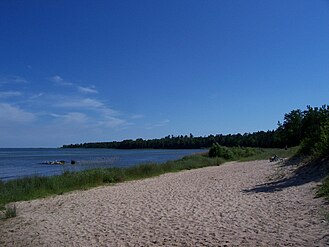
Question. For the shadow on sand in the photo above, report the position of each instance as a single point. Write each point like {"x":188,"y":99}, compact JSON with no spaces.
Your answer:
{"x":305,"y":172}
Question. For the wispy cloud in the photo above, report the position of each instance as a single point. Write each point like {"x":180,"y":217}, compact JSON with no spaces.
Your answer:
{"x":60,"y":81}
{"x":13,"y":114}
{"x":137,"y":116}
{"x":12,"y":79}
{"x":80,"y":103}
{"x":56,"y":78}
{"x":9,"y":94}
{"x":87,"y":89}
{"x":112,"y":122}
{"x":158,"y":124}
{"x":76,"y":113}
{"x":35,"y":96}
{"x":72,"y":117}
{"x":103,"y":115}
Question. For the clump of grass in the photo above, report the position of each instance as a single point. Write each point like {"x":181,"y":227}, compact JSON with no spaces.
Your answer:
{"x":324,"y":189}
{"x":10,"y":212}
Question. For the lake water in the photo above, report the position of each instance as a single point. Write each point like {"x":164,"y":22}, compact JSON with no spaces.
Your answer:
{"x":20,"y":162}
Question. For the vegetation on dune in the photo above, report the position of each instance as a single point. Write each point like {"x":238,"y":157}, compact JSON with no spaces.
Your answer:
{"x":247,"y":153}
{"x":309,"y":128}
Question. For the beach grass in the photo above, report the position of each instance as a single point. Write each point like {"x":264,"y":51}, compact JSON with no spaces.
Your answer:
{"x":38,"y":187}
{"x":10,"y":212}
{"x":266,"y":153}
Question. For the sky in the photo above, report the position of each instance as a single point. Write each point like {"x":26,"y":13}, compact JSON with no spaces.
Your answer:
{"x":90,"y":71}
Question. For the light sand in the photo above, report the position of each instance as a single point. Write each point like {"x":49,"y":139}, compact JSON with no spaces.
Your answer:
{"x":215,"y":206}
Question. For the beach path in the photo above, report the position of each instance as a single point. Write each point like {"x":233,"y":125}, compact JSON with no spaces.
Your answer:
{"x":235,"y":204}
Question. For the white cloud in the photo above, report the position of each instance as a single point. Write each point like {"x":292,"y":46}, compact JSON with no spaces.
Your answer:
{"x":158,"y":124}
{"x":80,"y":103}
{"x":12,"y":79}
{"x":87,"y":89}
{"x":106,"y":111}
{"x":60,"y":81}
{"x":35,"y":96}
{"x":137,"y":116}
{"x":13,"y":114}
{"x":76,"y":117}
{"x":102,"y":115}
{"x":56,"y":78}
{"x":112,"y":122}
{"x":9,"y":94}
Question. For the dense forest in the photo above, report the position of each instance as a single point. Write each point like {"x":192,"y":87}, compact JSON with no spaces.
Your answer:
{"x":306,"y":127}
{"x":258,"y":139}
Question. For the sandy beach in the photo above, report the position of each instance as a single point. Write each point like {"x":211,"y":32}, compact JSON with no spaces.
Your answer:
{"x":235,"y":204}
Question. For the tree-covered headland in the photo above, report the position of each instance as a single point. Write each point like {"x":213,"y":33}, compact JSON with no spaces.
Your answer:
{"x":308,"y":128}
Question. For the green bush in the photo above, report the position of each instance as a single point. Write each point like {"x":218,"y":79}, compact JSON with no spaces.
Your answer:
{"x":317,"y":145}
{"x":219,"y":151}
{"x":321,"y":148}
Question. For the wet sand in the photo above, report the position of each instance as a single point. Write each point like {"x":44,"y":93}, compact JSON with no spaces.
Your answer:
{"x":235,"y":204}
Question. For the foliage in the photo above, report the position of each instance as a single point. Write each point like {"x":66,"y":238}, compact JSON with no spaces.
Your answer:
{"x":247,"y":153}
{"x":257,"y":139}
{"x":219,"y":151}
{"x":324,"y":189}
{"x":308,"y":128}
{"x":321,"y":146}
{"x":315,"y":131}
{"x":291,"y":129}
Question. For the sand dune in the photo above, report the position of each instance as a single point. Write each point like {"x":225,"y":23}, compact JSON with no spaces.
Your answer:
{"x":229,"y":205}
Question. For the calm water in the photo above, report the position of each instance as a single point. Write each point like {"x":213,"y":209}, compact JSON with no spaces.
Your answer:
{"x":15,"y":163}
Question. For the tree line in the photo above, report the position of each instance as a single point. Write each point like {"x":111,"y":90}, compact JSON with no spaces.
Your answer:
{"x":308,"y":128}
{"x":257,"y":139}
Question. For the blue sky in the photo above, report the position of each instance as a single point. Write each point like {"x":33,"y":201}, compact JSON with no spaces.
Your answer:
{"x":85,"y":71}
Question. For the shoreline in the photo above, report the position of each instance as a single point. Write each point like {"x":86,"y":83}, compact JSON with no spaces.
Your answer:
{"x":210,"y":206}
{"x":35,"y":162}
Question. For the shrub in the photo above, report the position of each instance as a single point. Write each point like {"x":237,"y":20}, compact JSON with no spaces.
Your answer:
{"x":219,"y":151}
{"x":317,"y":145}
{"x":321,"y":148}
